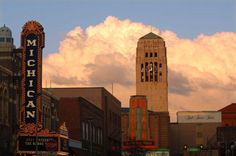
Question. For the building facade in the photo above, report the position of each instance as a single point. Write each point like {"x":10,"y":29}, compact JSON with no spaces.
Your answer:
{"x":158,"y":125}
{"x":50,"y":111}
{"x":9,"y":91}
{"x":85,"y":124}
{"x":229,"y":115}
{"x":226,"y":135}
{"x":110,"y":106}
{"x":195,"y":133}
{"x":151,"y":71}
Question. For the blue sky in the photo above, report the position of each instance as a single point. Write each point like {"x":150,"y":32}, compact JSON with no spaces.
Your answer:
{"x":187,"y":18}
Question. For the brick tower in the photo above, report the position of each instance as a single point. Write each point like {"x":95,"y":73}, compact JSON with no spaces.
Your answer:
{"x":151,"y":71}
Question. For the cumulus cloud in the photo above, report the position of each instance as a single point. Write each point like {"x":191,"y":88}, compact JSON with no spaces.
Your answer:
{"x":201,"y":70}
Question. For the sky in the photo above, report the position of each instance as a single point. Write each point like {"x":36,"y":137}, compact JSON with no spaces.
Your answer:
{"x":96,"y":40}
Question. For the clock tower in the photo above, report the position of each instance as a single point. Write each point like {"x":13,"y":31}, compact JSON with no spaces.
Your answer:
{"x":151,"y":72}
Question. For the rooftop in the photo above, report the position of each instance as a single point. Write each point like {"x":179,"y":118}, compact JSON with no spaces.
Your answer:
{"x":5,"y":31}
{"x":151,"y":35}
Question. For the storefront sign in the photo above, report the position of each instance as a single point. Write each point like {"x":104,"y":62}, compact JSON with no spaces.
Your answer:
{"x":199,"y":117}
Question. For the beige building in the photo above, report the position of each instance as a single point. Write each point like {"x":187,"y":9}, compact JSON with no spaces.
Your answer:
{"x":151,"y":72}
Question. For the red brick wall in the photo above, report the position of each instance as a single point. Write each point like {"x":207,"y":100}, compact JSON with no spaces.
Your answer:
{"x":69,"y":112}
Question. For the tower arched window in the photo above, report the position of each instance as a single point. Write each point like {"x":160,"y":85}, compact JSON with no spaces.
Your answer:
{"x":146,"y":71}
{"x":155,"y":54}
{"x":142,"y":73}
{"x":155,"y":71}
{"x":151,"y":71}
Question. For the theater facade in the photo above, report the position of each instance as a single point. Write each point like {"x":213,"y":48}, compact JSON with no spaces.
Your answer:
{"x":34,"y":138}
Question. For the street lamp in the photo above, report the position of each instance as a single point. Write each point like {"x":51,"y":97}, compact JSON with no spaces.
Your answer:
{"x":232,"y":149}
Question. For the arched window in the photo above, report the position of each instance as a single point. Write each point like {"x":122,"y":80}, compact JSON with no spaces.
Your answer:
{"x":1,"y":104}
{"x":6,"y":106}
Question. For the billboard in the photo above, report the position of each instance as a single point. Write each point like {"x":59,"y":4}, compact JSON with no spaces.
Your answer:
{"x":199,"y":117}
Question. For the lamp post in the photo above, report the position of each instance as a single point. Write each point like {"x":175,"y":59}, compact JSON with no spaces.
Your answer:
{"x":232,"y":149}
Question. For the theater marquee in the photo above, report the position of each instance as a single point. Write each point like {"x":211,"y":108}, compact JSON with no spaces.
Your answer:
{"x":32,"y":136}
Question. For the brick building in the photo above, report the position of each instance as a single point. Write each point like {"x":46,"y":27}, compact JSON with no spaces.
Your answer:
{"x":110,"y":106}
{"x":151,"y":71}
{"x":229,"y":115}
{"x":85,"y":124}
{"x":226,"y":134}
{"x":195,"y":133}
{"x":50,"y":111}
{"x":158,"y":124}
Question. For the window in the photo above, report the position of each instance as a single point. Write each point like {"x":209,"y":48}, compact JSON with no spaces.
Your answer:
{"x":155,"y":71}
{"x":83,"y":131}
{"x":2,"y":39}
{"x":142,"y":73}
{"x":87,"y":131}
{"x":6,"y":106}
{"x":151,"y":71}
{"x":160,"y":76}
{"x":9,"y":40}
{"x":146,"y":54}
{"x":146,"y":71}
{"x":155,"y":54}
{"x":160,"y":65}
{"x":150,"y":54}
{"x":94,"y":138}
{"x":101,"y":136}
{"x":1,"y":105}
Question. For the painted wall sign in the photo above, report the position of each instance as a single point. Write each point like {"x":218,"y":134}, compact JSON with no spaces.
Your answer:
{"x":32,"y":42}
{"x":199,"y":117}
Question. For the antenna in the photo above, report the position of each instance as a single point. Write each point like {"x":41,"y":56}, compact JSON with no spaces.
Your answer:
{"x":112,"y":88}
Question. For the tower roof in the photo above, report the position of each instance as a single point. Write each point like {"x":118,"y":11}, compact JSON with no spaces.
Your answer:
{"x":5,"y":32}
{"x":151,"y":35}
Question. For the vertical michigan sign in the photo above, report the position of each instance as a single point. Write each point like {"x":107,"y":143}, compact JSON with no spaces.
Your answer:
{"x":32,"y":136}
{"x":32,"y":42}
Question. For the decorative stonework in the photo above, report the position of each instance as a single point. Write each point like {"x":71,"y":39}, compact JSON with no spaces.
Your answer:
{"x":32,"y":26}
{"x":30,"y":129}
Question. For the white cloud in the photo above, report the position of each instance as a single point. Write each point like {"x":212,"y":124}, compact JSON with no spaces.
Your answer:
{"x":201,"y":70}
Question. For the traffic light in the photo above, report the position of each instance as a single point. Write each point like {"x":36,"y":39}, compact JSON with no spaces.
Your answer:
{"x":185,"y":147}
{"x":201,"y":147}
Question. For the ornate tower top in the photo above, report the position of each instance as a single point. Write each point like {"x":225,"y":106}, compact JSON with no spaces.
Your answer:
{"x":6,"y":40}
{"x":32,"y":26}
{"x":35,"y":28}
{"x":5,"y":31}
{"x":151,"y":35}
